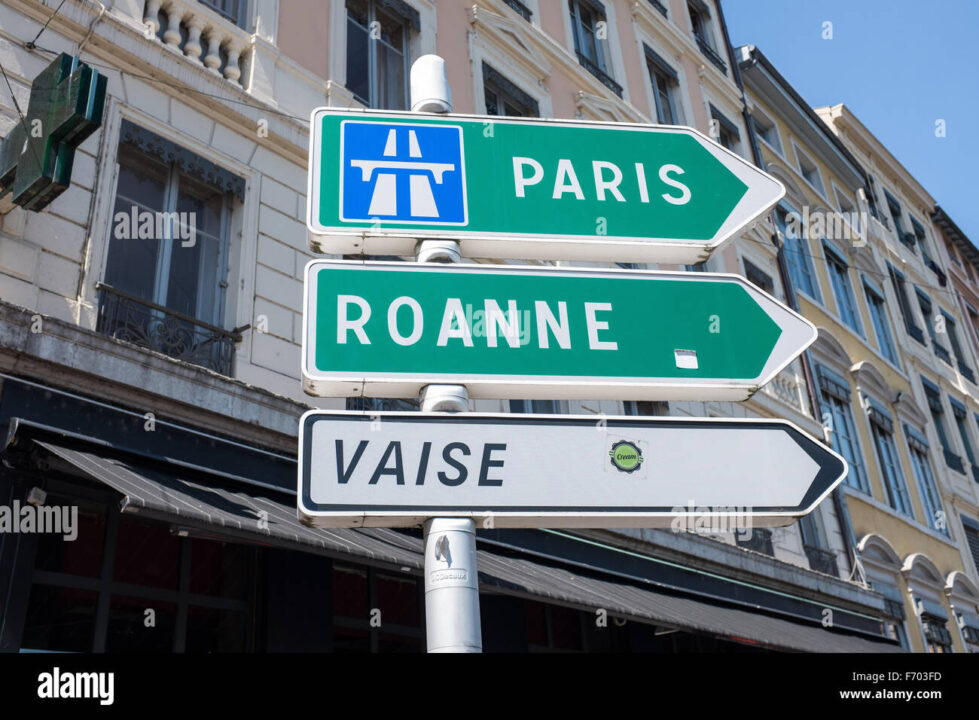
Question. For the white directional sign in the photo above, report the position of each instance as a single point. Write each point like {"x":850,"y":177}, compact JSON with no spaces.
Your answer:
{"x":398,"y":469}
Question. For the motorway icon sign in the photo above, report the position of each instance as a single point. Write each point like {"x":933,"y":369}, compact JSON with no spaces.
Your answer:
{"x":389,"y":329}
{"x":526,"y":188}
{"x":401,"y":172}
{"x":398,"y":469}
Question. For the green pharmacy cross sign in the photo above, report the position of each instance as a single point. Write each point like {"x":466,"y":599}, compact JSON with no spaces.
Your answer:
{"x":389,"y":329}
{"x":526,"y":188}
{"x":66,"y":105}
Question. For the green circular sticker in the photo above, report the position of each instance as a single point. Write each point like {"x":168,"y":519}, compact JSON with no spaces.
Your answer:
{"x":626,"y":456}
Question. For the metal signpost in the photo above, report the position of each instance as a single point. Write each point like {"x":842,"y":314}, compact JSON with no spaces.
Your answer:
{"x":526,"y":188}
{"x":554,"y":471}
{"x":389,"y":329}
{"x":443,"y":187}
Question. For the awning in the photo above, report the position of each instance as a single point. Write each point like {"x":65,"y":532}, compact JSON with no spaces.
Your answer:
{"x":263,"y":518}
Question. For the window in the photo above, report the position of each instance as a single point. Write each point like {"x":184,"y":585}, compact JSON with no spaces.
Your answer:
{"x":973,"y":322}
{"x":646,"y":407}
{"x":233,"y":10}
{"x":760,"y":541}
{"x":919,"y":235}
{"x":848,"y":210}
{"x":539,"y":407}
{"x":900,"y":290}
{"x":167,"y":264}
{"x":938,"y":637}
{"x":504,"y":98}
{"x":930,"y":499}
{"x":520,"y":9}
{"x":838,"y":417}
{"x":766,"y":130}
{"x":894,"y":617}
{"x":724,"y":131}
{"x":971,"y":528}
{"x":961,"y":414}
{"x":797,"y":254}
{"x":377,"y":62}
{"x":759,"y":277}
{"x":924,"y":302}
{"x":896,"y":215}
{"x":700,"y":25}
{"x":882,"y":429}
{"x":665,"y":83}
{"x":933,"y":394}
{"x":878,"y":316}
{"x":589,"y":45}
{"x":872,"y":197}
{"x":810,"y":172}
{"x":821,"y":557}
{"x":357,"y":591}
{"x":839,"y":276}
{"x":953,"y":338}
{"x":138,"y":565}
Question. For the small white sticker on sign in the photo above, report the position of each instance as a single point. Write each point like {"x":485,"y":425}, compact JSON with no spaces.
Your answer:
{"x":686,"y":359}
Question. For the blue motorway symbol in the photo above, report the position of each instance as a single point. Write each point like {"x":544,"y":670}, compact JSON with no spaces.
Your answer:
{"x":402,"y":172}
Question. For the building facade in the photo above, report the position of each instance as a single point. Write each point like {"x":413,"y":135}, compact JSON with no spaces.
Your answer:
{"x":149,"y":374}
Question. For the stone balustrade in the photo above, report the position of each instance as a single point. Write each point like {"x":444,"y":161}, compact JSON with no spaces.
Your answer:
{"x":789,"y":387}
{"x":201,"y":34}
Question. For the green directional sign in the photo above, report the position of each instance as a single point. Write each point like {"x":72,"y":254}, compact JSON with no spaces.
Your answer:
{"x":389,"y":329}
{"x":526,"y":188}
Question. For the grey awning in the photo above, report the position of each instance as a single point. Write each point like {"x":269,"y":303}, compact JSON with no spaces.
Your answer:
{"x":185,"y":502}
{"x":238,"y":514}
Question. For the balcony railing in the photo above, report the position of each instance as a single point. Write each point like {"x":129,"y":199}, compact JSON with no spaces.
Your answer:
{"x":711,"y":54}
{"x":197,"y":30}
{"x":520,"y":9}
{"x":821,"y":560}
{"x":137,"y":321}
{"x":606,"y":79}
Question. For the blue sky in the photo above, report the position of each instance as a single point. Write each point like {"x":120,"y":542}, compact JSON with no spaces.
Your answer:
{"x":899,"y":65}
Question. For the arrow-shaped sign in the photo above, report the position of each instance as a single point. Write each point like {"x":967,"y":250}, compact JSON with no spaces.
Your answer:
{"x":389,"y":329}
{"x":526,"y":188}
{"x":398,"y":469}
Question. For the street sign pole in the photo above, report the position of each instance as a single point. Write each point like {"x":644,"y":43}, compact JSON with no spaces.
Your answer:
{"x":451,"y":581}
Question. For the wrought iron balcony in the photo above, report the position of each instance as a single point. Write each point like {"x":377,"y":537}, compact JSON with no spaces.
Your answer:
{"x":606,"y":79}
{"x":822,"y":560}
{"x":137,"y":321}
{"x":520,"y":8}
{"x":711,"y":54}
